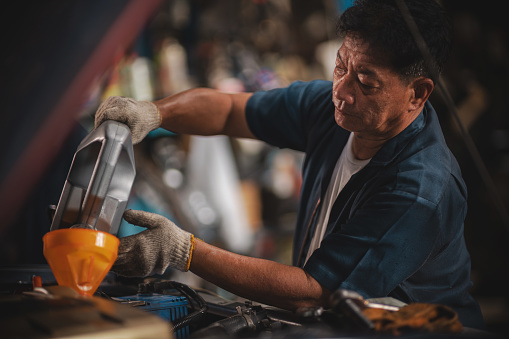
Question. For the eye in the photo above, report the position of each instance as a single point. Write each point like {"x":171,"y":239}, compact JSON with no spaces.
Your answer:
{"x":365,"y":83}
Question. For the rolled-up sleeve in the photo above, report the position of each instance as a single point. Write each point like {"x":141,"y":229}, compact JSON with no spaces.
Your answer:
{"x":281,"y":117}
{"x":386,"y":241}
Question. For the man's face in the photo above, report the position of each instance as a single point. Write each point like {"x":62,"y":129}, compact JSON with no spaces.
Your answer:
{"x":369,"y":97}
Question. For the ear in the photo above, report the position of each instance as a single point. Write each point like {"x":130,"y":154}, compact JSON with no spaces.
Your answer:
{"x":421,"y":89}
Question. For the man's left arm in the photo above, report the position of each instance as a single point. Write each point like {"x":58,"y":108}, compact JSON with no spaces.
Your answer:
{"x":265,"y":281}
{"x":164,"y":245}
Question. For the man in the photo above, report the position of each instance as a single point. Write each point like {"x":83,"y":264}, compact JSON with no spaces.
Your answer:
{"x":382,"y":203}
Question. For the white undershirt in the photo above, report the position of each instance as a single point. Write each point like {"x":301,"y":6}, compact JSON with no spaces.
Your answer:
{"x":346,"y":166}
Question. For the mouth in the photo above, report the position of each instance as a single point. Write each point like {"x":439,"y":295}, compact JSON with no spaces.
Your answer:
{"x":339,"y":111}
{"x":345,"y":118}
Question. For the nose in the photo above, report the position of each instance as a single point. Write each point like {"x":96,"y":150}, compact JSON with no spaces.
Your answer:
{"x":343,"y":90}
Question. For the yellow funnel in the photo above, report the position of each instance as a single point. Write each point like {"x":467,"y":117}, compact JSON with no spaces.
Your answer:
{"x":80,"y":258}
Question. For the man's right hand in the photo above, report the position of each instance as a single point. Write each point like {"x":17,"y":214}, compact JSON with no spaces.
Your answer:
{"x":140,"y":116}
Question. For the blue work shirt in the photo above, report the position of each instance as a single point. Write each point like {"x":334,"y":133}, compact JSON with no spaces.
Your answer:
{"x":396,"y":228}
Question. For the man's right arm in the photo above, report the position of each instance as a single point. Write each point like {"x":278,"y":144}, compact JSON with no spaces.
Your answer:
{"x":205,"y":111}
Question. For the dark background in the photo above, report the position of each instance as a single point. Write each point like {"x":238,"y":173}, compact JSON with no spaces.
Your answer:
{"x":48,"y":43}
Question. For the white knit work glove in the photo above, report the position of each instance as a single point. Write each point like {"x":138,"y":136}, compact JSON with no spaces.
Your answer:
{"x":163,"y":244}
{"x":140,"y":116}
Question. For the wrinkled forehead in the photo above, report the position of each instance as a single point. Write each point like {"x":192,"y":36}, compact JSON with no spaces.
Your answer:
{"x":358,"y":50}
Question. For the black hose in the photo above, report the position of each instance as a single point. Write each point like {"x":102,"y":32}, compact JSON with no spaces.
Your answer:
{"x":233,"y":326}
{"x":191,"y":317}
{"x":188,"y":292}
{"x":228,"y":327}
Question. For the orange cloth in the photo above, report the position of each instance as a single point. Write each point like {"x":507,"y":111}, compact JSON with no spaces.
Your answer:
{"x":416,"y":317}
